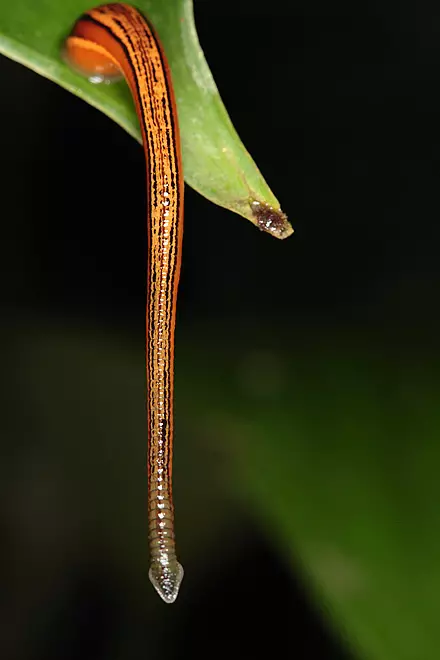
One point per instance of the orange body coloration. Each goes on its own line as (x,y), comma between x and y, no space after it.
(106,42)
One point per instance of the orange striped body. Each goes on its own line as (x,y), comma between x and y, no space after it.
(105,42)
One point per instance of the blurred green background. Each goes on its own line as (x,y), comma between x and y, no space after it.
(307,375)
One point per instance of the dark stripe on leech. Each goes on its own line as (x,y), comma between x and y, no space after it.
(173,260)
(151,153)
(137,65)
(151,157)
(129,58)
(152,110)
(89,19)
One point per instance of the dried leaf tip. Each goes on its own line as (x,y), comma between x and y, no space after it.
(271,220)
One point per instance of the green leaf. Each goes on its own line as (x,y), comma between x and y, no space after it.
(337,451)
(216,163)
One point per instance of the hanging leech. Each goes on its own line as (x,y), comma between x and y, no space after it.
(106,42)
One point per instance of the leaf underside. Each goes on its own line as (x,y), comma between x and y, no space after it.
(216,163)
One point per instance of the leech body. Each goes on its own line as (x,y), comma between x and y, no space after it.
(104,43)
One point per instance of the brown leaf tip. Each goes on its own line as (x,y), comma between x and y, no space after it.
(271,220)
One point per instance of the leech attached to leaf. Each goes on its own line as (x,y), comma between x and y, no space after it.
(105,42)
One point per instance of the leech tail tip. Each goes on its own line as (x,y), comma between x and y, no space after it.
(167,582)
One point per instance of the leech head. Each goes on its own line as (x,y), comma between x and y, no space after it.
(166,580)
(271,220)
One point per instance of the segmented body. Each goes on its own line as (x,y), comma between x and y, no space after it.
(105,42)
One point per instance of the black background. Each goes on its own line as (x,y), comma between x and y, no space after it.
(339,105)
